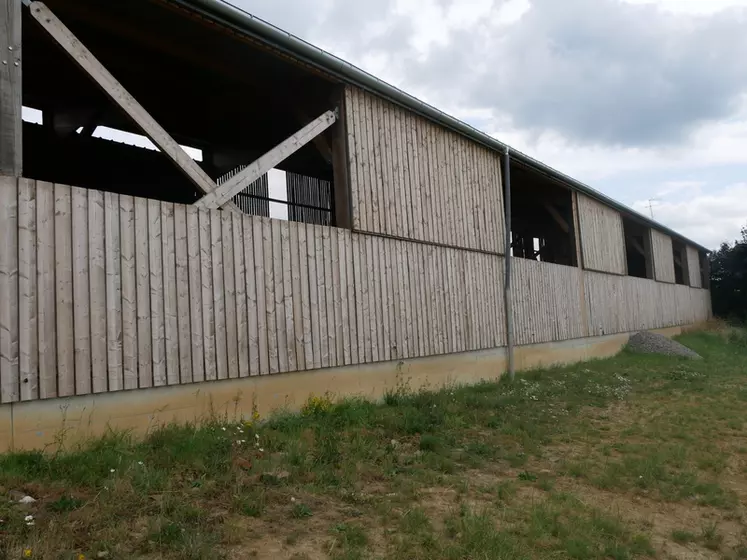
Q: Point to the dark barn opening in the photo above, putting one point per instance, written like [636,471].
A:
[638,249]
[681,272]
[210,88]
[541,218]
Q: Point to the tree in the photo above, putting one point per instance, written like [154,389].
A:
[729,279]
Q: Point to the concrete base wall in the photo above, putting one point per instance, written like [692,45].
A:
[45,423]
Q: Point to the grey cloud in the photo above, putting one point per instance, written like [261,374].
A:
[595,71]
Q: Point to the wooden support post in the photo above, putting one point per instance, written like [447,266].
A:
[255,170]
[116,92]
[340,170]
[11,139]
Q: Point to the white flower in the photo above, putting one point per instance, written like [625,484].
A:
[28,518]
[30,524]
[256,436]
[293,499]
[223,428]
[261,450]
[112,470]
[140,463]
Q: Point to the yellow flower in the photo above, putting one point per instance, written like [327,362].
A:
[81,556]
[27,553]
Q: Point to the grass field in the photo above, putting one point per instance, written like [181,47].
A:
[631,457]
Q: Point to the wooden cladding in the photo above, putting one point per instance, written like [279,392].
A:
[627,304]
[105,292]
[413,179]
[602,239]
[661,245]
[546,303]
[693,267]
[421,300]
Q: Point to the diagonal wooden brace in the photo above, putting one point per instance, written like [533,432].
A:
[225,192]
[119,95]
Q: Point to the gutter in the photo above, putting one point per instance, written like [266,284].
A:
[250,25]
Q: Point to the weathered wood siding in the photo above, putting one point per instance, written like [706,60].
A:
[661,246]
[625,304]
[546,303]
[412,179]
[602,237]
[693,267]
[104,292]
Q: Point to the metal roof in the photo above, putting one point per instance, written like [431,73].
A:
[250,25]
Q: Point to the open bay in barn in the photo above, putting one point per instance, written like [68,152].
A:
[631,457]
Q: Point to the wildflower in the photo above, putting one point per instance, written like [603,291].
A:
[30,524]
[261,450]
[256,436]
[223,428]
[81,556]
[293,500]
[28,518]
[27,553]
[140,463]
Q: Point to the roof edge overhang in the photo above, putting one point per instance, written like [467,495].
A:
[261,30]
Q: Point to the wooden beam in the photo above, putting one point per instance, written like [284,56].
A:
[255,170]
[320,141]
[11,125]
[117,93]
[558,218]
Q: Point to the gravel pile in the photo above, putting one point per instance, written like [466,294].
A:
[651,343]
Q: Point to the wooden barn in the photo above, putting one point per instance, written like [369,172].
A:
[301,227]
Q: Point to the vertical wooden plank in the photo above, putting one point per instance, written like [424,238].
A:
[63,232]
[194,277]
[208,302]
[316,338]
[402,186]
[425,196]
[158,334]
[364,327]
[129,292]
[28,335]
[45,281]
[374,310]
[81,291]
[375,206]
[322,294]
[142,266]
[277,264]
[295,273]
[348,298]
[253,307]
[358,285]
[352,114]
[414,162]
[239,268]
[9,359]
[382,298]
[305,302]
[469,308]
[97,285]
[287,281]
[352,325]
[414,304]
[229,289]
[219,294]
[183,319]
[113,262]
[270,289]
[329,295]
[435,184]
[336,266]
[11,127]
[262,295]
[170,298]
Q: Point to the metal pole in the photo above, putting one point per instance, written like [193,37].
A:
[507,282]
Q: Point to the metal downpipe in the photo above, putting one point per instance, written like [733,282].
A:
[507,255]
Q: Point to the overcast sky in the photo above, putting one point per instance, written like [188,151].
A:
[639,99]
